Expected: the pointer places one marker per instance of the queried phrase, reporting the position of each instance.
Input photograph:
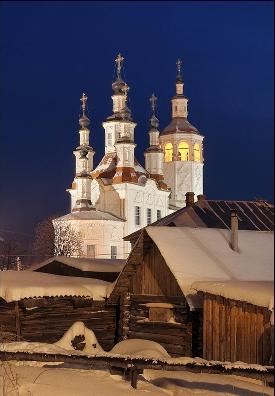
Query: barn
(157, 295)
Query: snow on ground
(45, 381)
(136, 348)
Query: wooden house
(155, 293)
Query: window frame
(137, 215)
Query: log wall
(235, 331)
(47, 319)
(175, 337)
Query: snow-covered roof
(90, 215)
(85, 264)
(259, 293)
(16, 285)
(204, 254)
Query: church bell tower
(182, 145)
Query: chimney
(234, 231)
(201, 197)
(190, 198)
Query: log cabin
(157, 299)
(40, 307)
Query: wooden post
(17, 321)
(134, 377)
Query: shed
(41, 307)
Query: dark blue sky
(53, 51)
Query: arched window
(197, 152)
(168, 152)
(184, 151)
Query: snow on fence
(133, 364)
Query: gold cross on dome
(119, 59)
(83, 99)
(153, 101)
(179, 63)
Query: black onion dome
(154, 122)
(84, 121)
(179, 79)
(118, 86)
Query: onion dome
(84, 121)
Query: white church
(119, 195)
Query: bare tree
(67, 241)
(55, 237)
(43, 244)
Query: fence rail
(134, 364)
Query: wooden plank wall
(235, 331)
(47, 319)
(154, 277)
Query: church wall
(103, 234)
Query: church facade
(119, 195)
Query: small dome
(84, 121)
(118, 86)
(154, 122)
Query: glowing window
(184, 151)
(168, 152)
(197, 152)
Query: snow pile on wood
(140, 348)
(77, 329)
(256, 293)
(204, 254)
(85, 264)
(16, 285)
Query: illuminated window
(184, 151)
(168, 152)
(197, 152)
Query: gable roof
(253, 215)
(201, 254)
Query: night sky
(51, 52)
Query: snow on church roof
(16, 285)
(90, 215)
(203, 254)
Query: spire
(84, 121)
(154, 122)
